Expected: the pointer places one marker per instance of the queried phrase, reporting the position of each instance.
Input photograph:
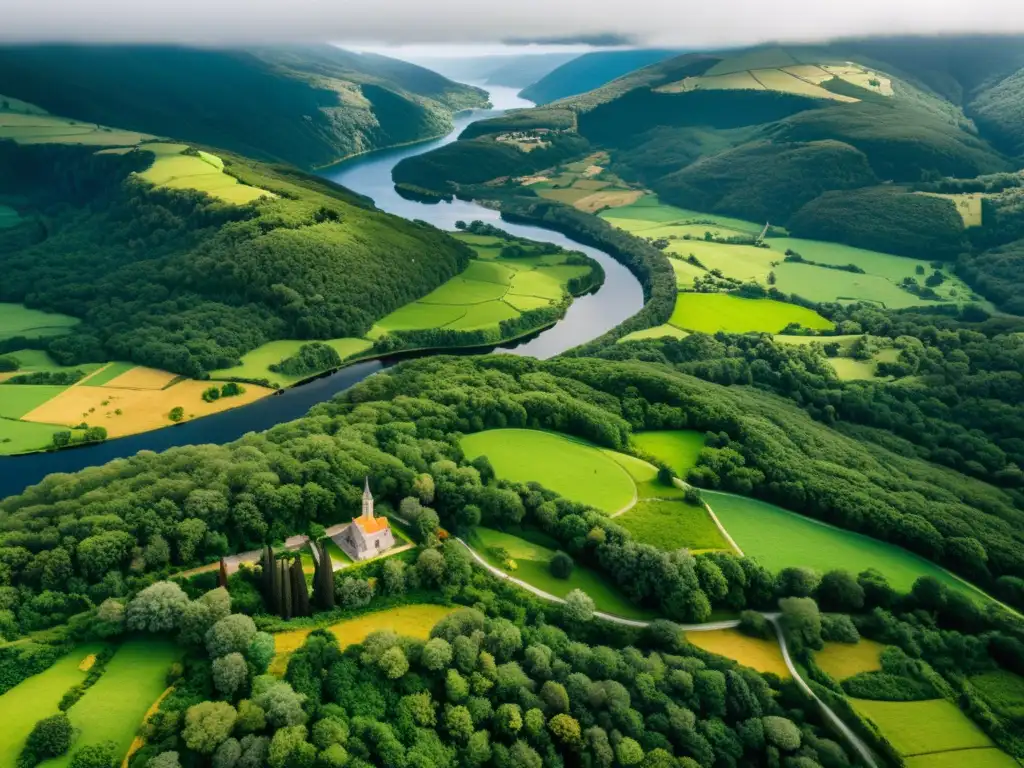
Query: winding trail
(854, 740)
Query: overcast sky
(390, 22)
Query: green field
(742, 262)
(686, 273)
(19, 320)
(38, 360)
(964, 758)
(202, 171)
(575, 469)
(32, 700)
(648, 212)
(490, 290)
(645, 475)
(673, 525)
(23, 436)
(778, 538)
(1004, 692)
(256, 364)
(108, 374)
(18, 399)
(713, 312)
(113, 709)
(678, 448)
(923, 727)
(657, 332)
(532, 567)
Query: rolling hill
(310, 105)
(513, 70)
(590, 71)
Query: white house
(368, 535)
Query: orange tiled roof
(371, 524)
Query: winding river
(620, 297)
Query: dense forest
(177, 280)
(309, 105)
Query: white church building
(368, 535)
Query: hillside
(188, 272)
(310, 106)
(512, 70)
(590, 71)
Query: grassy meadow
(201, 171)
(575, 469)
(407, 620)
(256, 364)
(778, 538)
(532, 567)
(843, 660)
(650, 214)
(764, 655)
(37, 697)
(19, 320)
(657, 332)
(645, 476)
(678, 448)
(924, 727)
(673, 525)
(114, 708)
(714, 312)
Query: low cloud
(397, 22)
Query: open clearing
(141, 409)
(843, 660)
(778, 538)
(714, 312)
(645, 475)
(407, 620)
(532, 567)
(201, 171)
(673, 525)
(764, 655)
(114, 708)
(657, 332)
(923, 727)
(678, 448)
(256, 364)
(37, 697)
(19, 320)
(575, 469)
(968, 205)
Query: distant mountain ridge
(307, 105)
(512, 70)
(590, 71)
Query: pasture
(19, 320)
(490, 290)
(532, 567)
(843, 660)
(923, 727)
(37, 697)
(114, 708)
(256, 363)
(650, 214)
(742, 262)
(984, 757)
(17, 400)
(25, 436)
(671, 525)
(657, 332)
(645, 475)
(778, 538)
(33, 360)
(761, 654)
(36, 127)
(140, 409)
(202, 171)
(407, 620)
(678, 448)
(714, 312)
(575, 469)
(108, 373)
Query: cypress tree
(327, 578)
(285, 590)
(222, 576)
(300, 598)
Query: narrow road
(855, 741)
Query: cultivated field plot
(764, 655)
(490, 290)
(964, 758)
(142, 377)
(201, 171)
(678, 448)
(918, 728)
(650, 214)
(407, 620)
(713, 312)
(16, 400)
(37, 697)
(657, 332)
(35, 128)
(1004, 692)
(114, 708)
(742, 262)
(256, 364)
(532, 567)
(108, 373)
(141, 409)
(585, 185)
(575, 469)
(778, 538)
(24, 436)
(36, 360)
(19, 320)
(671, 525)
(843, 660)
(968, 205)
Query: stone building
(368, 535)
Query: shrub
(561, 565)
(96, 756)
(177, 414)
(50, 737)
(754, 624)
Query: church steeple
(367, 500)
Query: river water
(620, 297)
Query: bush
(96, 756)
(838, 628)
(50, 737)
(883, 686)
(754, 624)
(561, 565)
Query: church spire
(367, 499)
